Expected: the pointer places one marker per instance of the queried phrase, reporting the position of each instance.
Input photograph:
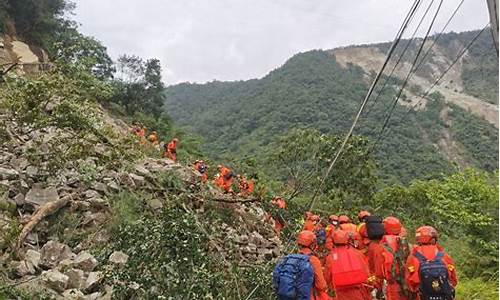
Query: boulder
(85, 261)
(137, 179)
(38, 196)
(118, 257)
(33, 257)
(73, 294)
(91, 194)
(142, 170)
(31, 171)
(22, 268)
(100, 187)
(7, 173)
(54, 252)
(19, 199)
(113, 186)
(93, 281)
(97, 203)
(55, 280)
(76, 278)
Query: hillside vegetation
(90, 211)
(312, 90)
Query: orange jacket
(375, 255)
(309, 225)
(172, 147)
(320, 286)
(429, 252)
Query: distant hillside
(454, 128)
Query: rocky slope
(54, 211)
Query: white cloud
(201, 40)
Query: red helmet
(363, 231)
(333, 218)
(363, 214)
(344, 219)
(340, 237)
(306, 238)
(392, 225)
(426, 235)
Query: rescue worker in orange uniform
(333, 221)
(171, 150)
(245, 186)
(395, 254)
(375, 254)
(311, 223)
(350, 268)
(306, 240)
(279, 222)
(364, 240)
(202, 168)
(153, 138)
(428, 249)
(224, 179)
(346, 224)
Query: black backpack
(374, 227)
(434, 279)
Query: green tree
(303, 156)
(138, 85)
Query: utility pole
(493, 8)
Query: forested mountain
(454, 127)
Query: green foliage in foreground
(463, 207)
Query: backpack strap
(439, 256)
(421, 258)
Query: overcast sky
(203, 40)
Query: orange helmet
(306, 238)
(392, 225)
(363, 231)
(315, 218)
(426, 235)
(340, 237)
(363, 214)
(333, 218)
(344, 219)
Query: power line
(408, 76)
(460, 55)
(423, 58)
(363, 104)
(387, 80)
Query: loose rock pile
(28, 185)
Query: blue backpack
(293, 278)
(321, 236)
(434, 279)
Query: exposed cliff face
(30, 59)
(371, 58)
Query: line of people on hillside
(225, 177)
(169, 149)
(340, 260)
